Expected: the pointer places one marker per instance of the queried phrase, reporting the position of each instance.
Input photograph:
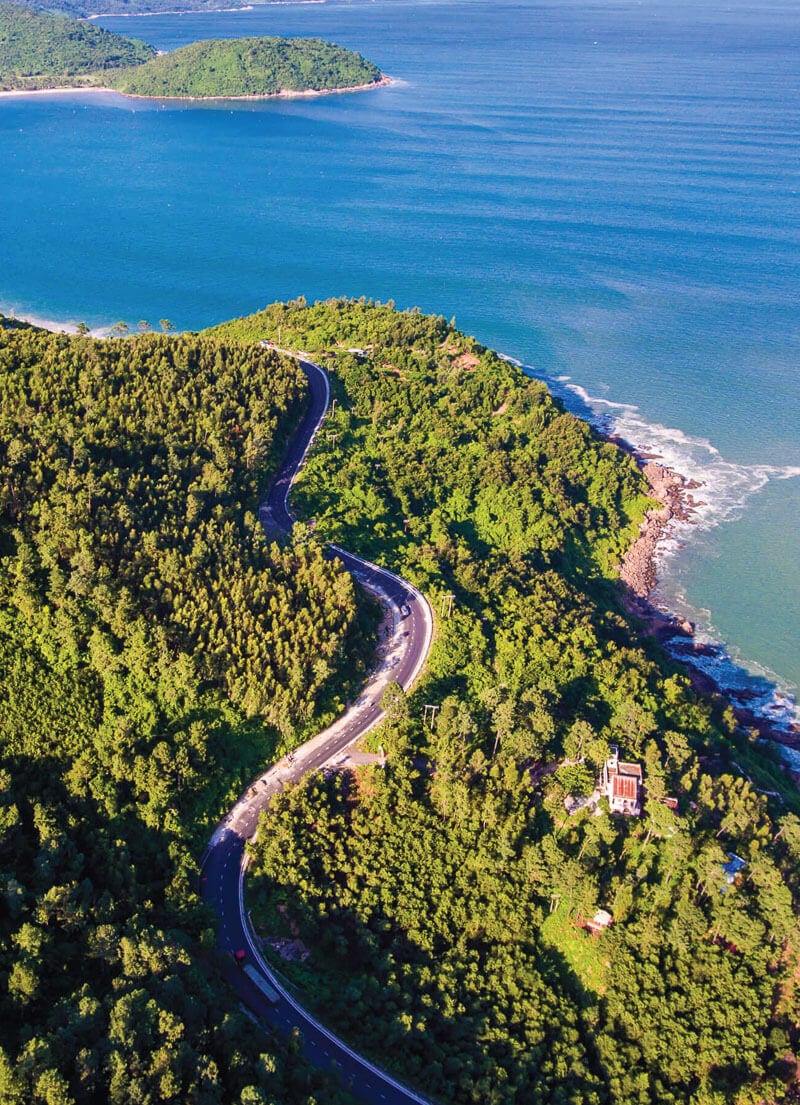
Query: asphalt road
(222, 874)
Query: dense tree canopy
(443, 896)
(155, 652)
(248, 67)
(42, 50)
(38, 49)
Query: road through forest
(225, 860)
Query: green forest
(444, 896)
(155, 653)
(40, 50)
(248, 67)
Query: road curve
(408, 641)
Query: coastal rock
(638, 568)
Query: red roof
(624, 786)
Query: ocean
(604, 190)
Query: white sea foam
(55, 326)
(722, 491)
(723, 487)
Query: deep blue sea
(606, 191)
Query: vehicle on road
(272, 995)
(404, 610)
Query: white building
(621, 783)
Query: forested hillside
(38, 50)
(155, 652)
(248, 67)
(444, 896)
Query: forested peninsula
(40, 50)
(158, 652)
(478, 912)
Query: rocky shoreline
(639, 575)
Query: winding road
(409, 629)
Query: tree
(394, 703)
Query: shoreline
(638, 575)
(6, 93)
(204, 11)
(757, 696)
(288, 94)
(186, 11)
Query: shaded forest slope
(155, 651)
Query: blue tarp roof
(734, 865)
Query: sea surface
(605, 190)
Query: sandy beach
(289, 94)
(185, 11)
(11, 92)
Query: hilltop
(39, 50)
(249, 67)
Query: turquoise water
(606, 191)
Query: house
(621, 784)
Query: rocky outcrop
(638, 568)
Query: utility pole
(447, 600)
(429, 715)
(333, 407)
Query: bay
(606, 191)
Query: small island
(41, 52)
(246, 68)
